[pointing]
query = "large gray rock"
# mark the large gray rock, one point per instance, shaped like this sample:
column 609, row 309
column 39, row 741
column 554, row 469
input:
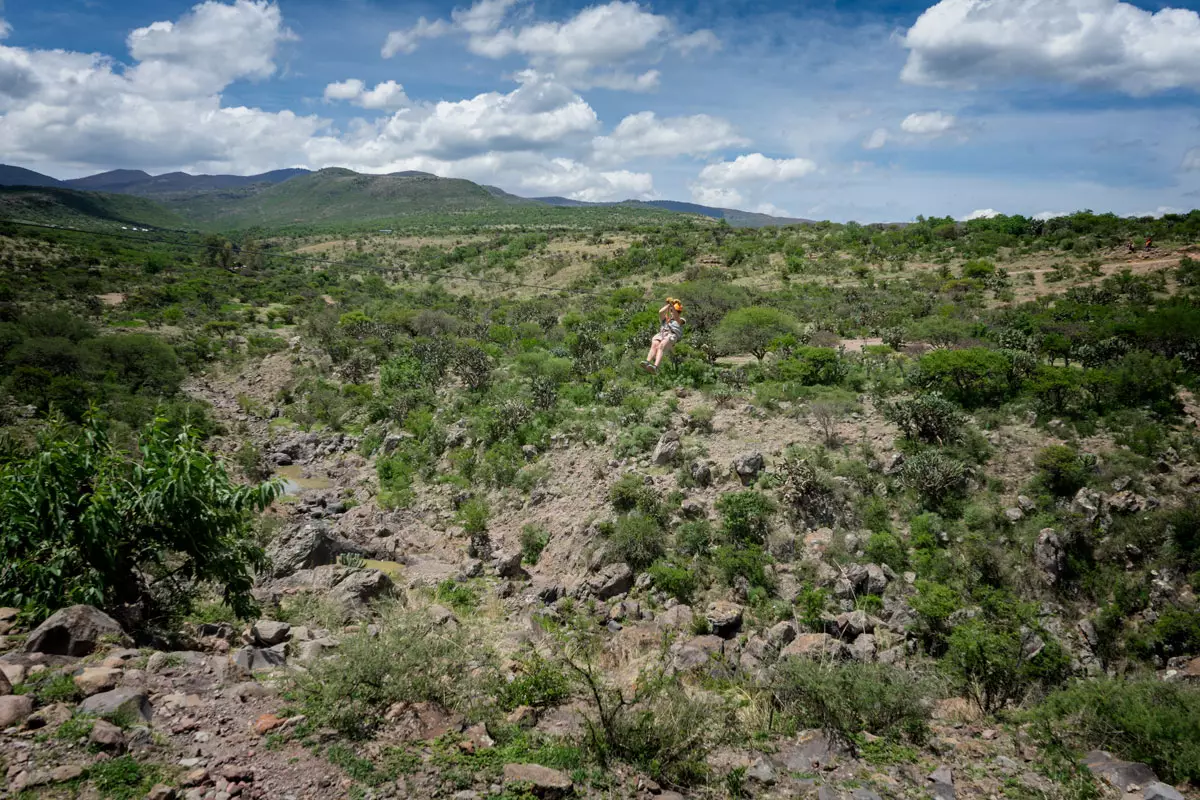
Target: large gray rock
column 125, row 702
column 543, row 782
column 747, row 467
column 268, row 633
column 360, row 587
column 14, row 709
column 679, row 617
column 611, row 581
column 1161, row 791
column 260, row 659
column 74, row 631
column 816, row 645
column 311, row 546
column 941, row 784
column 696, row 653
column 724, row 618
column 876, row 581
column 5, row 686
column 667, row 450
column 1124, row 776
column 1049, row 556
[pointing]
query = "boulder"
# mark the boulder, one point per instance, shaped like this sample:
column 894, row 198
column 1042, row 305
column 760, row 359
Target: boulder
column 611, row 581
column 852, row 624
column 126, row 702
column 1089, row 504
column 747, row 467
column 268, row 633
column 941, row 784
column 876, row 580
column 724, row 618
column 863, row 648
column 74, row 631
column 14, row 709
column 1026, row 504
column 781, row 634
column 508, row 564
column 94, row 680
column 361, row 586
column 106, row 736
column 679, row 617
column 1124, row 776
column 701, row 473
column 1161, row 791
column 1014, row 514
column 311, row 546
column 667, row 450
column 1049, row 556
column 5, row 686
column 260, row 659
column 815, row 645
column 696, row 653
column 542, row 782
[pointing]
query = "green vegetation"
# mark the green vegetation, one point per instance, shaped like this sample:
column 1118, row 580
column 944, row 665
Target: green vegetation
column 85, row 523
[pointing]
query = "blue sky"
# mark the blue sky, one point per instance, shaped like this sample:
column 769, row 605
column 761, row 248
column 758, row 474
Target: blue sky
column 874, row 111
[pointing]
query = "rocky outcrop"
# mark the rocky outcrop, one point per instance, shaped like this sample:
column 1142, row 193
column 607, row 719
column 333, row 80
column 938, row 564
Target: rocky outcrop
column 666, row 452
column 747, row 466
column 75, row 631
column 127, row 703
column 311, row 546
column 1049, row 557
column 541, row 782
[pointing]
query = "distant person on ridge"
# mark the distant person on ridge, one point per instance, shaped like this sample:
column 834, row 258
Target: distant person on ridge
column 668, row 335
column 1149, row 243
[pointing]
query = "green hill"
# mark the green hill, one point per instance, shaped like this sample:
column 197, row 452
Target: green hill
column 336, row 196
column 53, row 206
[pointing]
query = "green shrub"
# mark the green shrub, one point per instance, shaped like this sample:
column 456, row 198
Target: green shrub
column 122, row 778
column 411, row 660
column 1176, row 632
column 934, row 604
column 886, row 548
column 695, row 538
column 85, row 522
column 746, row 561
column 539, row 683
column 679, row 580
column 754, row 330
column 928, row 418
column 458, row 596
column 1062, row 470
column 973, row 378
column 637, row 540
column 936, row 478
column 701, row 419
column 474, row 514
column 811, row 366
column 995, row 656
column 745, row 516
column 631, row 493
column 533, row 541
column 811, row 604
column 850, row 699
column 1144, row 720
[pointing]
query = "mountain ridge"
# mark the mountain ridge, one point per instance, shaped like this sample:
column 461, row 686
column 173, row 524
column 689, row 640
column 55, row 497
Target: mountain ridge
column 336, row 195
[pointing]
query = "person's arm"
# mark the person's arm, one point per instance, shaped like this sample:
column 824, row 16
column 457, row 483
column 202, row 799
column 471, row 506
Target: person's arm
column 664, row 312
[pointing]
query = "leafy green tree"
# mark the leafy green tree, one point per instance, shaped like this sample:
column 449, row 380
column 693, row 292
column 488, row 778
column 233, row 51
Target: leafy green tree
column 86, row 522
column 753, row 330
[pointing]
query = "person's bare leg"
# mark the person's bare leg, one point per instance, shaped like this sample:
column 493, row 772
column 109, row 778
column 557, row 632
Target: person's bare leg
column 662, row 351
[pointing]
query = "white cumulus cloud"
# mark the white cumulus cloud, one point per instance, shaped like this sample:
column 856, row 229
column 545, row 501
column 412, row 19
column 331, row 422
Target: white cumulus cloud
column 716, row 196
column 1102, row 43
column 877, row 139
column 982, row 213
column 772, row 209
column 756, row 168
column 1191, row 159
column 386, row 96
column 407, row 41
column 610, row 45
column 932, row 123
column 646, row 134
column 1043, row 216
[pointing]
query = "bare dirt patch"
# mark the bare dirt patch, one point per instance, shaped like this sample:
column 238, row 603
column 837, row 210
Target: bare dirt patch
column 111, row 299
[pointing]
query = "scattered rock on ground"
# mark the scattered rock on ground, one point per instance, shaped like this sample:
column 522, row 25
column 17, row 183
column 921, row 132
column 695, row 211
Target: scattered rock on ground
column 74, row 631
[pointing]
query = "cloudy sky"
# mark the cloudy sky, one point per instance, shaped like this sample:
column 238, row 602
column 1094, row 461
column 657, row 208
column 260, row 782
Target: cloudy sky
column 877, row 110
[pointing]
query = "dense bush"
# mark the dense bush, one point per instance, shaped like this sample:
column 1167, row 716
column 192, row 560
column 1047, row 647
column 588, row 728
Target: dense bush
column 810, row 366
column 754, row 330
column 928, row 418
column 973, row 378
column 678, row 579
column 936, row 478
column 1062, row 470
column 1145, row 720
column 86, row 522
column 637, row 540
column 410, row 660
column 850, row 699
column 745, row 516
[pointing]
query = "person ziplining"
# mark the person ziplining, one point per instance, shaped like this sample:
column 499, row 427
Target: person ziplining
column 671, row 317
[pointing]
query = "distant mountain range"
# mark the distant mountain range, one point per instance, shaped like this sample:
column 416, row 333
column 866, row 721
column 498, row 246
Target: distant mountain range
column 330, row 196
